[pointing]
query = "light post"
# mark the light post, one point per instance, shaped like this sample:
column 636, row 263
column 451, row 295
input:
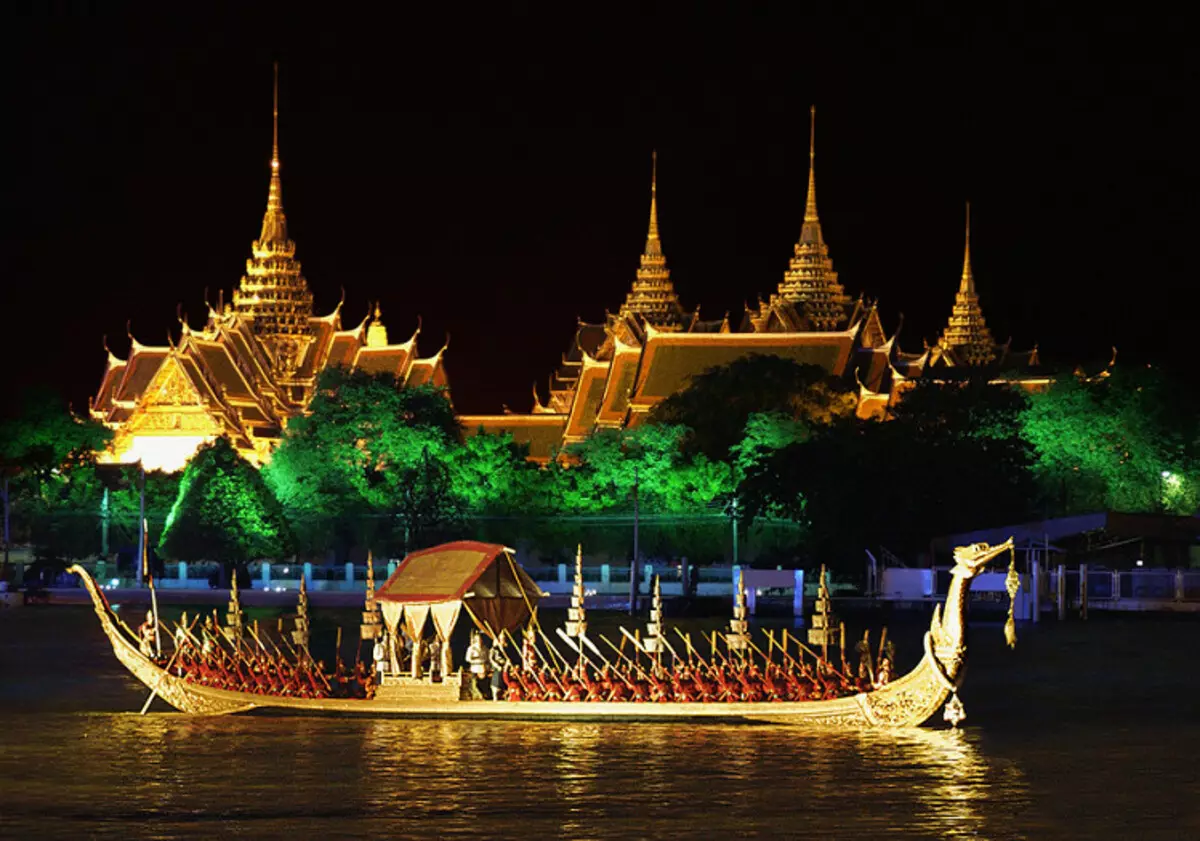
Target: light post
column 4, row 566
column 735, row 531
column 633, row 564
column 141, row 522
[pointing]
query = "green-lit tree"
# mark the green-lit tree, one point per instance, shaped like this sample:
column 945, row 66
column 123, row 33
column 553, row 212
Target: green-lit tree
column 493, row 475
column 224, row 512
column 1126, row 442
column 43, row 445
column 717, row 404
column 952, row 460
column 606, row 467
column 346, row 471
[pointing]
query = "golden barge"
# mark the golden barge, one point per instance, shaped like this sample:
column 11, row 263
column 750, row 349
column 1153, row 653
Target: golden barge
column 418, row 588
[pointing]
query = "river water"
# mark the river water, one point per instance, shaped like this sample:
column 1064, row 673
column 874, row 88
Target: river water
column 1087, row 730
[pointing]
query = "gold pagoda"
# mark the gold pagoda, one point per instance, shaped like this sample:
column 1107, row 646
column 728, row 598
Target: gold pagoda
column 254, row 364
column 614, row 373
column 965, row 350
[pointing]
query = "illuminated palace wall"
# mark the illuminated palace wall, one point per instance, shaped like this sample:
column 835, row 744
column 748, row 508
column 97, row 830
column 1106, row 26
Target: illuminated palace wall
column 254, row 363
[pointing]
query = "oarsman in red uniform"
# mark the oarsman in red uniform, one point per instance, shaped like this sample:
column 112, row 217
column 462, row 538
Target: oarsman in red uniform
column 530, row 686
column 594, row 688
column 751, row 692
column 681, row 687
column 551, row 691
column 572, row 690
column 770, row 689
column 512, row 686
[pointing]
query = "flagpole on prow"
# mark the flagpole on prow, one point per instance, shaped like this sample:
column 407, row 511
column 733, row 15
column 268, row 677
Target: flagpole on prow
column 148, row 576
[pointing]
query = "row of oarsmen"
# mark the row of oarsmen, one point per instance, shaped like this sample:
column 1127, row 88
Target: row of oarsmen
column 685, row 682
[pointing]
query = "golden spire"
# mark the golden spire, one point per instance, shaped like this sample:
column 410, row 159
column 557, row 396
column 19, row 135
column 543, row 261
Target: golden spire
column 653, row 245
column 376, row 332
column 652, row 296
column 967, row 335
column 810, row 205
column 274, row 227
column 967, row 285
column 810, row 283
column 273, row 293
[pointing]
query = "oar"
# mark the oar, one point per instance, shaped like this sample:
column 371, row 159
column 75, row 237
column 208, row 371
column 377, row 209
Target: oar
column 716, row 652
column 789, row 658
column 587, row 641
column 637, row 644
column 688, row 642
column 562, row 659
column 625, row 657
column 162, row 677
column 814, row 654
column 533, row 672
column 570, row 643
column 607, row 664
column 667, row 643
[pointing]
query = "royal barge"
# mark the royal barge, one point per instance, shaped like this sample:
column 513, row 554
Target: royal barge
column 237, row 669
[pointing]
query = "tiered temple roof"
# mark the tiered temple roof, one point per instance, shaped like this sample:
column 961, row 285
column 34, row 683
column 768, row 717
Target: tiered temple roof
column 255, row 363
column 809, row 298
column 273, row 292
column 252, row 367
column 653, row 299
column 613, row 375
column 965, row 350
column 967, row 340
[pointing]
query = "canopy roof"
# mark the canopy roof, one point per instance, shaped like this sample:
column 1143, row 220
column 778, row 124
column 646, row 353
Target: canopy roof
column 453, row 571
column 484, row 575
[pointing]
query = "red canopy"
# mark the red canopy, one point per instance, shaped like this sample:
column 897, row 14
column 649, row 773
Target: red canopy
column 484, row 576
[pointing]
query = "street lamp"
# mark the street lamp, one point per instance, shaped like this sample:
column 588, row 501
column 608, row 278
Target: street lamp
column 1169, row 481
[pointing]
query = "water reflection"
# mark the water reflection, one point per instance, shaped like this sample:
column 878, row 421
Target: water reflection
column 446, row 779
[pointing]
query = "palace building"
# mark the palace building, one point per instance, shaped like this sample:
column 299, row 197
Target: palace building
column 254, row 364
column 251, row 368
column 613, row 373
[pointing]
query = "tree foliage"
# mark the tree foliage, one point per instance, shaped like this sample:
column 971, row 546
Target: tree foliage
column 1127, row 442
column 224, row 512
column 951, row 461
column 717, row 404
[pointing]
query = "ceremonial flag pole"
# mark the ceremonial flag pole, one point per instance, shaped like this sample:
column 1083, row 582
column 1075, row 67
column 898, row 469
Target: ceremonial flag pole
column 148, row 575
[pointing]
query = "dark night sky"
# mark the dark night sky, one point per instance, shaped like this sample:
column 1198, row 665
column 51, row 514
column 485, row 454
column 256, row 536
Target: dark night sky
column 491, row 175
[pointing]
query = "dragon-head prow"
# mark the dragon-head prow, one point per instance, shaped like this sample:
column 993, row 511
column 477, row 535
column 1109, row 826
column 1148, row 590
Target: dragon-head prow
column 969, row 561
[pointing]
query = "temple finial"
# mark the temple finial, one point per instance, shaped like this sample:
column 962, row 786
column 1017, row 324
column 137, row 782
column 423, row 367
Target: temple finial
column 810, row 206
column 653, row 245
column 376, row 332
column 275, row 121
column 967, row 285
column 274, row 227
